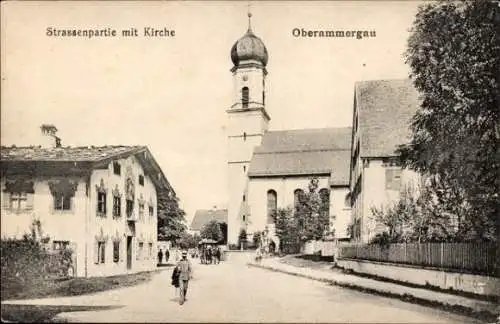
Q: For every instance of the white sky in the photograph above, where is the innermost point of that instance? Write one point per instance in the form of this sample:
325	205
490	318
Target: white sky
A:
171	93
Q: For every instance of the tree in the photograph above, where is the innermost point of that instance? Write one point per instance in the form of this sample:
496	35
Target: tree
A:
312	223
189	241
286	226
212	231
256	238
453	52
171	218
242	238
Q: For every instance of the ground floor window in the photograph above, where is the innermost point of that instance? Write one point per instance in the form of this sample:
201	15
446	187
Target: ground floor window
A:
101	250
116	251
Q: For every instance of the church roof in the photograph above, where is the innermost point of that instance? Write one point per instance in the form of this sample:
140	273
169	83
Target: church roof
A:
304	152
204	216
385	109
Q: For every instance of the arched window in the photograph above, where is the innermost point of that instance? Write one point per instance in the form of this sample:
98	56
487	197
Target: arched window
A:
297	196
324	195
272	200
244	97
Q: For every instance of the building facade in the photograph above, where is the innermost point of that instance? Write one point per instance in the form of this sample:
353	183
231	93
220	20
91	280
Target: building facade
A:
99	201
381	122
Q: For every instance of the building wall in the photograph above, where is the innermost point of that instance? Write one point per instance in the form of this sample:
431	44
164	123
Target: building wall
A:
284	187
68	225
109	228
340	211
376	192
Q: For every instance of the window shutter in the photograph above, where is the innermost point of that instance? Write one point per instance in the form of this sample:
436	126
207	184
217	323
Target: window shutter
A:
5	200
29	201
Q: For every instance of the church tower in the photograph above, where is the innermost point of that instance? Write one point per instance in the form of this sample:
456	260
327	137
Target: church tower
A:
247	123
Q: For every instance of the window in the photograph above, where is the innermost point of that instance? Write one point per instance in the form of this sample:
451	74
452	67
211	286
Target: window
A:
140	250
393	178
101	203
129	207
117	168
244	136
324	209
244	218
62	202
297	197
150	246
18	200
244	197
271	206
60	245
244	97
141	211
141	180
244	168
116	251
101	249
151	211
117	206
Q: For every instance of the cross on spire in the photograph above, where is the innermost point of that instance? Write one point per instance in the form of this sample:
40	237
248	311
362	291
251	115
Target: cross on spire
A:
249	19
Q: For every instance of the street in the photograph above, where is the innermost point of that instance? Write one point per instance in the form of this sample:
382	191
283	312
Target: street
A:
234	292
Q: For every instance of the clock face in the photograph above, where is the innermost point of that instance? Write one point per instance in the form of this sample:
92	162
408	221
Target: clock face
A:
245	78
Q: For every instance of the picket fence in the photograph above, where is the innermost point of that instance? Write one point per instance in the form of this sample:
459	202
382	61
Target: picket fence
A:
478	258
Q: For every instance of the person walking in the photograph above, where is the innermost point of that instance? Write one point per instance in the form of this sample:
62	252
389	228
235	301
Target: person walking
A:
185	274
160	256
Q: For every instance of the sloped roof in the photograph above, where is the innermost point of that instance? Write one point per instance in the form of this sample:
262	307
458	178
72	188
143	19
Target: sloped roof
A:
303	152
204	216
385	109
75	160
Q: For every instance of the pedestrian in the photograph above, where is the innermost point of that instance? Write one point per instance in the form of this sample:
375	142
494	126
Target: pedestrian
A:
185	271
160	256
167	255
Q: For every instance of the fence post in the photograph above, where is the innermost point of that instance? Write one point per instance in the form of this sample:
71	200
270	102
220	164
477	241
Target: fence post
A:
441	257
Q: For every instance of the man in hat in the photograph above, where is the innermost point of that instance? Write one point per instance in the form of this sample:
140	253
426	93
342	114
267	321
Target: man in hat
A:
185	273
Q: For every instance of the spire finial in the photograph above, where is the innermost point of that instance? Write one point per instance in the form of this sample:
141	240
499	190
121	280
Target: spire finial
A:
249	19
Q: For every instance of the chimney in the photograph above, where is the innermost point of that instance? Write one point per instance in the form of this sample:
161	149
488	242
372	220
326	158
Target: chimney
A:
49	138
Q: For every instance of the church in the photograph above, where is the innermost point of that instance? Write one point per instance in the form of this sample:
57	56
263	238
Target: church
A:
267	170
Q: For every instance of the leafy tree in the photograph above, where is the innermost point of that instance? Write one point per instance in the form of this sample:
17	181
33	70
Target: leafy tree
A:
453	52
286	226
311	221
212	231
171	218
243	238
189	241
256	238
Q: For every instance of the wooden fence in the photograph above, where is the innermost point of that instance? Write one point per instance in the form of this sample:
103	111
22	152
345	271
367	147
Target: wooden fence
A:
478	258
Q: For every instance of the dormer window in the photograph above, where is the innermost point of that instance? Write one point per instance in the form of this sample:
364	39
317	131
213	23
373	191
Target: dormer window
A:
116	168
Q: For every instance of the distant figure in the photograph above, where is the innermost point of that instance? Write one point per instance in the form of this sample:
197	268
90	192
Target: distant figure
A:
258	255
167	255
160	256
185	274
217	255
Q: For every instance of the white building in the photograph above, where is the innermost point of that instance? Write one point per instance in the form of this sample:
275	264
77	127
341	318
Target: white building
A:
267	169
381	122
100	201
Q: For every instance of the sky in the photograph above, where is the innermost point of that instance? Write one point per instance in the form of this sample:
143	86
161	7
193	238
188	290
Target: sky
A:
172	93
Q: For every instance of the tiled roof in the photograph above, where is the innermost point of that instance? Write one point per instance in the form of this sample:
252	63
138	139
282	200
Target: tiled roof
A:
385	110
303	152
204	216
77	154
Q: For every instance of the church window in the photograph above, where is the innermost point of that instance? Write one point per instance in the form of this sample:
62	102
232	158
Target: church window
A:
244	168
245	97
297	197
324	195
244	218
244	136
244	197
272	199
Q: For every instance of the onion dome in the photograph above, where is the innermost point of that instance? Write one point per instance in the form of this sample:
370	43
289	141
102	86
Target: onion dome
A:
249	47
